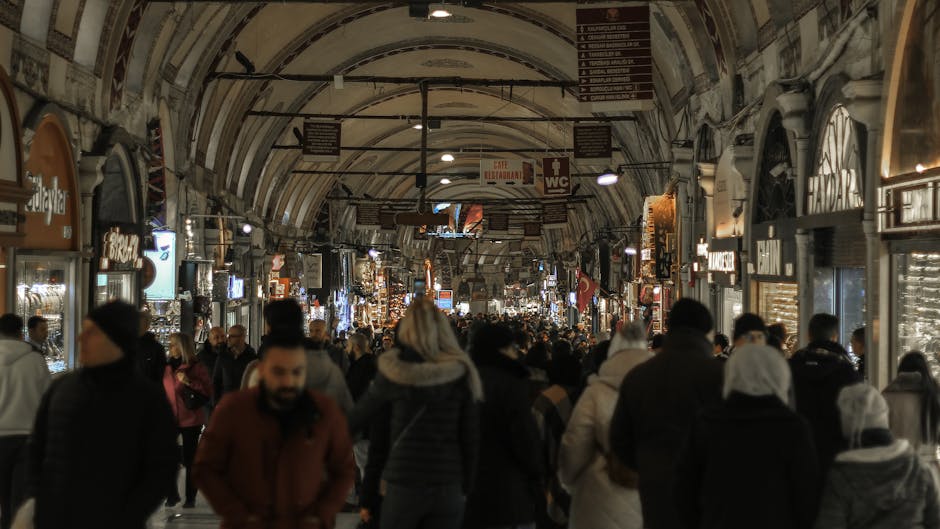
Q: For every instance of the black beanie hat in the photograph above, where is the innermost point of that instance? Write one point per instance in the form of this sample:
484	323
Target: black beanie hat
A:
120	322
746	323
690	314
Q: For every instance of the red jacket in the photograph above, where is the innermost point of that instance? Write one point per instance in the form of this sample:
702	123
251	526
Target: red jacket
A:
199	380
245	467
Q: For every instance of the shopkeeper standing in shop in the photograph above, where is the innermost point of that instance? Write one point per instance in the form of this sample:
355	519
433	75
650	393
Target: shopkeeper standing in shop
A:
37	332
230	366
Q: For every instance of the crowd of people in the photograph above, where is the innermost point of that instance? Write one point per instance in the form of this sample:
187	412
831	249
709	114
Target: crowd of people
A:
467	422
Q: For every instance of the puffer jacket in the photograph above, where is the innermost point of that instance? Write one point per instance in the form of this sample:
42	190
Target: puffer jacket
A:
24	377
879	488
582	462
434	424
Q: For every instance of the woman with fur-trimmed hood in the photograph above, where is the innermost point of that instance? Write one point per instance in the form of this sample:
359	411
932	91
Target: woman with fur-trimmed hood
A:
426	395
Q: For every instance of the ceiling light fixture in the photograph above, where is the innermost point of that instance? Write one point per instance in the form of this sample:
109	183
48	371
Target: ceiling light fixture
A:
607	178
920	168
418	126
246	228
441	12
447	157
445	181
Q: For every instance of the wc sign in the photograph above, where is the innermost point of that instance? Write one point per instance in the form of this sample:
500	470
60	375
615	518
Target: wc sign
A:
557	176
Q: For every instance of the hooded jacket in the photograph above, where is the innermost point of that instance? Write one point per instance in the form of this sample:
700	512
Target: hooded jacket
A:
433	421
885	487
820	371
24	377
324	376
657	405
585	447
510	465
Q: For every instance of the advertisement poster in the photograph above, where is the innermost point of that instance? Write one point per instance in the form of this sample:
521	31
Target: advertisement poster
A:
164	265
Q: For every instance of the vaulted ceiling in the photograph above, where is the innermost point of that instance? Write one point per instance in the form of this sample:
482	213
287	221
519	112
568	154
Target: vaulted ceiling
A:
147	51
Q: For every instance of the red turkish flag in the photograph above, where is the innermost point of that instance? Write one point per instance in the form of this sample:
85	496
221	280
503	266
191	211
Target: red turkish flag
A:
586	289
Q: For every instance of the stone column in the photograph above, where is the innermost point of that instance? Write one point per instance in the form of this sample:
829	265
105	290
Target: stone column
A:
682	170
742	159
865	107
90	176
795	109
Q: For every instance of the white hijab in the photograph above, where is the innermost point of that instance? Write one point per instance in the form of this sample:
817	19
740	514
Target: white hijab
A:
758	371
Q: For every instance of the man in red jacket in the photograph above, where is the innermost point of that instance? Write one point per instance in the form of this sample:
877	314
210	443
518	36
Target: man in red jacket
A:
276	456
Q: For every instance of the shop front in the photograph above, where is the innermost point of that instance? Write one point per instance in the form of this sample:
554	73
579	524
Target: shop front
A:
45	267
772	272
658	256
834	208
723	270
117	231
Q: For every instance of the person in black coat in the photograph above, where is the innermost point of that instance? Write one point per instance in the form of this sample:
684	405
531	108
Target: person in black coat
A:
103	450
151	355
820	371
750	461
510	465
230	365
362	369
212	348
658	402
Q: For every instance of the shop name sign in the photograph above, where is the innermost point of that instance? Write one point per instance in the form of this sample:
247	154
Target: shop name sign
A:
769	257
48	201
910	206
723	261
831	193
120	248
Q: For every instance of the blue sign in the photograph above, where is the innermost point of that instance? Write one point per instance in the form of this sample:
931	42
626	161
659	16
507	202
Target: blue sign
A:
236	288
445	299
164	263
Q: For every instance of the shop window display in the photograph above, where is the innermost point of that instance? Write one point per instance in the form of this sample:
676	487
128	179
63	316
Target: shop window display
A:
841	291
42	290
777	303
918	306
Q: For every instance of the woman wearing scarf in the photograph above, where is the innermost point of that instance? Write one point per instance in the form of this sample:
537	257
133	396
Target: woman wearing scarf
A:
184	373
426	395
750	462
879	482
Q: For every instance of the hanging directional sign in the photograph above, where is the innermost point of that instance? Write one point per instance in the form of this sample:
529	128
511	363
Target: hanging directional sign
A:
507	172
556	176
615	58
592	142
554	213
321	140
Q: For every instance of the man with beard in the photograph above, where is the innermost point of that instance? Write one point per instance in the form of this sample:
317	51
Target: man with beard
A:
212	348
276	455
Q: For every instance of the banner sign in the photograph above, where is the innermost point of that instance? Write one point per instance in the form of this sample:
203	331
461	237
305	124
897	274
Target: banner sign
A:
556	174
592	142
507	172
555	213
313	270
615	57
321	141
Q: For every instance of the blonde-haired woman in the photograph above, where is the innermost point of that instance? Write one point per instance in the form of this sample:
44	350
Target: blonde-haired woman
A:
425	396
187	386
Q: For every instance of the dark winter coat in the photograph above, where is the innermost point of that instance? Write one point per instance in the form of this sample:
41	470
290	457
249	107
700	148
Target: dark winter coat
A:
750	462
434	423
229	370
510	467
103	451
151	357
820	371
282	469
879	488
208	355
658	402
360	374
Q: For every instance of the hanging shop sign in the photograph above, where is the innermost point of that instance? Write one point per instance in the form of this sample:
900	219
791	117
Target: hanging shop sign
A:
14	192
592	142
321	140
615	58
156	174
554	214
773	252
910	204
507	172
52	211
279	288
445	299
836	185
556	176
163	261
277	262
120	250
313	270
659	238
236	288
724	262
368	216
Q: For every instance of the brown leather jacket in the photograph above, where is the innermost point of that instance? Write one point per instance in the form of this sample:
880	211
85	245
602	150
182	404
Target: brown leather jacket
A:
255	478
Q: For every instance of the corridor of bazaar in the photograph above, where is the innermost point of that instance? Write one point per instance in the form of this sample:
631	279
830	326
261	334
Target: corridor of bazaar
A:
549	195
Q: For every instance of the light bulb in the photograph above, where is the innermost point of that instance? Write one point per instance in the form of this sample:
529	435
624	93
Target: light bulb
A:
448	157
418	126
246	228
440	13
445	181
920	168
608	178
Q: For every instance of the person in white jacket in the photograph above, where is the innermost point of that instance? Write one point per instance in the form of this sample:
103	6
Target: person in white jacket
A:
24	377
583	460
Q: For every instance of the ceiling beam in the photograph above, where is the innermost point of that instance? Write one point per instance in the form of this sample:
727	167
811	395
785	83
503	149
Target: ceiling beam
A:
378	79
417	118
